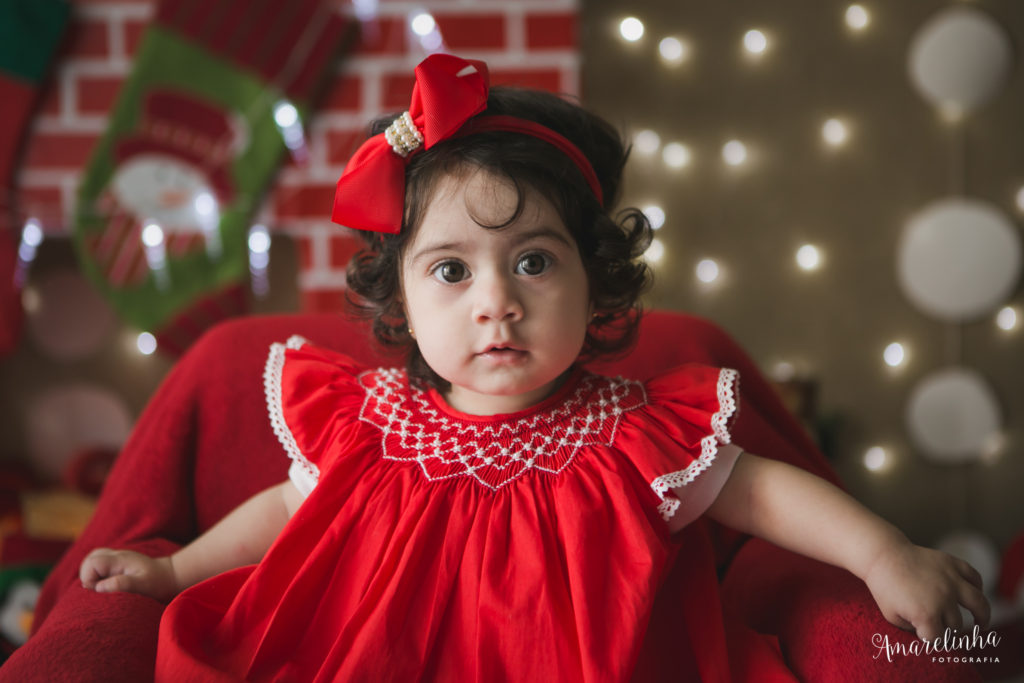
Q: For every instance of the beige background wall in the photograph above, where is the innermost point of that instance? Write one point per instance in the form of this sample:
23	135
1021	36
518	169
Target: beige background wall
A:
852	202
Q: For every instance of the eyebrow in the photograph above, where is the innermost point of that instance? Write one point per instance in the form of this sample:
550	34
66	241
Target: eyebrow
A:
527	236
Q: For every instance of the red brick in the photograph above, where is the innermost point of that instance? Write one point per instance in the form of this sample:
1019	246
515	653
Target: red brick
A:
322	300
396	90
59	150
51	94
304	248
43	203
342	144
88	38
540	79
345	94
343	248
133	30
96	94
382	36
304	201
547	31
473	31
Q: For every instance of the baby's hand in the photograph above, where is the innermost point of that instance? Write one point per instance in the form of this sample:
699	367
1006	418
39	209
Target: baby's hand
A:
110	571
920	589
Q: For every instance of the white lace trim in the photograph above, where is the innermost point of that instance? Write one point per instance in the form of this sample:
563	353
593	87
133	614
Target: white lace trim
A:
728	386
272	391
413	429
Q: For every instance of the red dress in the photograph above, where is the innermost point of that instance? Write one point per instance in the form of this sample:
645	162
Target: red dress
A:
436	545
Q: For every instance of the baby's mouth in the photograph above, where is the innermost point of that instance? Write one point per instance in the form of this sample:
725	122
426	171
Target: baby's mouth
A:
502	352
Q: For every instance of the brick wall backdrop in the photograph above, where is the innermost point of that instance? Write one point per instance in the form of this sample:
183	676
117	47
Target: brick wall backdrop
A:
525	42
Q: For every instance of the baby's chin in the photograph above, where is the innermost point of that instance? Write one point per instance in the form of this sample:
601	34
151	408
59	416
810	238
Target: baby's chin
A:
533	391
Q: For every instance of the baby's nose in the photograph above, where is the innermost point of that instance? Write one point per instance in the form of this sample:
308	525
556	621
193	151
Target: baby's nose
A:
497	299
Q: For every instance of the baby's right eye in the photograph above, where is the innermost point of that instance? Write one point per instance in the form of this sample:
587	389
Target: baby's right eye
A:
450	272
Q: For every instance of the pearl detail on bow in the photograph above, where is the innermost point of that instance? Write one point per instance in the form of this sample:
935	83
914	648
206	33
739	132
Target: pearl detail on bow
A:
403	136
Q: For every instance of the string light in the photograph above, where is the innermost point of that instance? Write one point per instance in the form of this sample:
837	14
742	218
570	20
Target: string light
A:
31	238
152	236
675	155
895	355
857	17
951	112
155	250
655	215
146	343
993	448
673	50
365	10
876	459
707	271
31	301
208	218
422	24
834	132
734	153
808	257
646	142
1007	318
755	42
784	371
289	125
259	259
656	251
427	32
631	29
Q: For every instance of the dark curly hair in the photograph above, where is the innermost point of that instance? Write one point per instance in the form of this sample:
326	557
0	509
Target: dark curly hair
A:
610	248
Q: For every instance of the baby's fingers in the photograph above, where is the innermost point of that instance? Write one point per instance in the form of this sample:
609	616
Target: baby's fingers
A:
976	603
119	583
970	574
97	565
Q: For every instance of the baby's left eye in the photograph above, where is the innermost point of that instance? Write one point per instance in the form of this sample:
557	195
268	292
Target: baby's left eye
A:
533	264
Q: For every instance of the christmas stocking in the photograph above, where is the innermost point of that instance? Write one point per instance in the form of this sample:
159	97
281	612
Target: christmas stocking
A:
29	33
199	128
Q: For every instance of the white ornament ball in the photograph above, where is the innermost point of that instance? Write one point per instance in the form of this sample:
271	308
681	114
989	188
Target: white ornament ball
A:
953	416
959	259
65	420
959	59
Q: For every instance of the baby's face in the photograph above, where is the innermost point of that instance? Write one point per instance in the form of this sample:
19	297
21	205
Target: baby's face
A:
501	314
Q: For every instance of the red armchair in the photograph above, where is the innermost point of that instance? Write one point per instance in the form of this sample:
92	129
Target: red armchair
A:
204	445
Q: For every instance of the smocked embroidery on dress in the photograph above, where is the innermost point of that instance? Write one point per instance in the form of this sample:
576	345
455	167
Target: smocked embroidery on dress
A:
412	429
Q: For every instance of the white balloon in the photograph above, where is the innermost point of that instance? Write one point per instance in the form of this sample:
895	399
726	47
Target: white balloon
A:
953	416
960	58
959	259
70	418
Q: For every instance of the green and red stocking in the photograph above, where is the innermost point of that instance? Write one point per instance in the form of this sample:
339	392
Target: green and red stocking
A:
165	204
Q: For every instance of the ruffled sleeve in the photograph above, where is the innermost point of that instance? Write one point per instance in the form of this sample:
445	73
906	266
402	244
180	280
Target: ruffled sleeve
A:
681	442
313	399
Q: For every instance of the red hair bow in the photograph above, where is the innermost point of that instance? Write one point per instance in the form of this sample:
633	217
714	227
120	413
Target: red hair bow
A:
371	191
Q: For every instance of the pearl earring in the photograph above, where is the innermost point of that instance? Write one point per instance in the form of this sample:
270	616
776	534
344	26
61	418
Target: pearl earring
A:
411	333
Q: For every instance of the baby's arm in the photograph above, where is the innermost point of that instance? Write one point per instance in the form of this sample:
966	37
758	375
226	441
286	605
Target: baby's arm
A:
916	588
241	538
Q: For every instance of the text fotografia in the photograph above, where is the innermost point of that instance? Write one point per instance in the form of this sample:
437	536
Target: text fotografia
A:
950	648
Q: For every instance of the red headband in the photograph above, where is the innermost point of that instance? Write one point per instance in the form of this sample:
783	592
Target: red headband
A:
449	91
